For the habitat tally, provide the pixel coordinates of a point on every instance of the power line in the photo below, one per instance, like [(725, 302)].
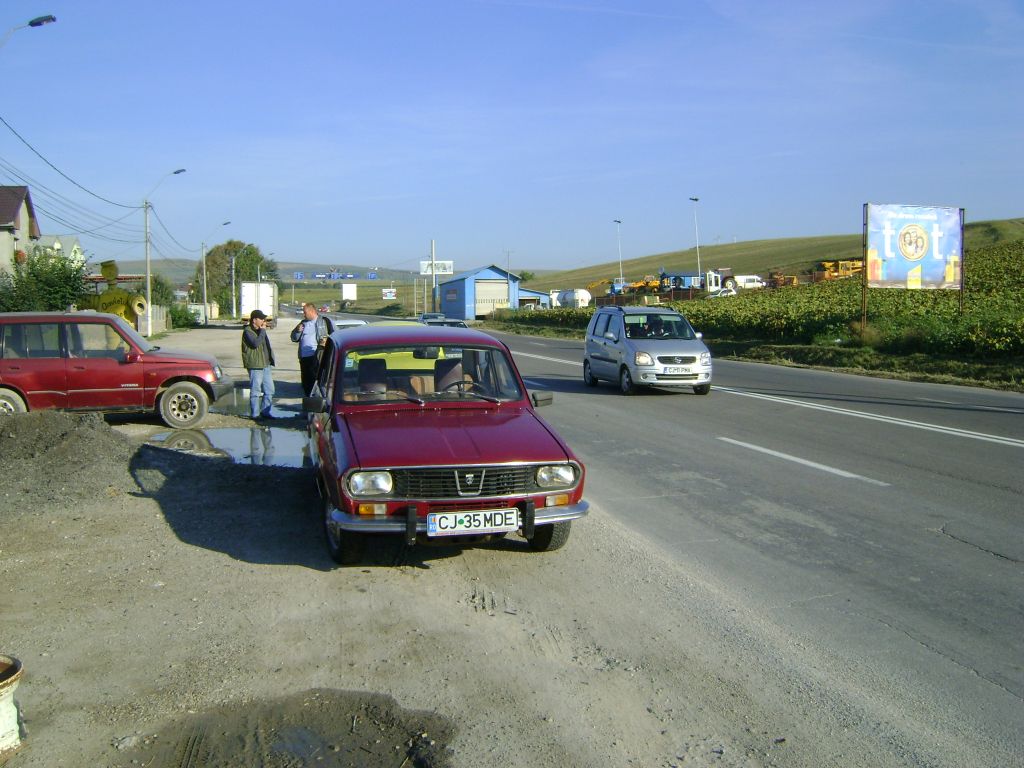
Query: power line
[(58, 170)]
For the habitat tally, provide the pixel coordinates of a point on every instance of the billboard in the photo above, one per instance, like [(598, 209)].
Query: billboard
[(439, 267), (913, 246), (389, 294)]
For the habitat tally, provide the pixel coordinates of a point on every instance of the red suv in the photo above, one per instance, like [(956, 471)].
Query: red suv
[(91, 361), (427, 432)]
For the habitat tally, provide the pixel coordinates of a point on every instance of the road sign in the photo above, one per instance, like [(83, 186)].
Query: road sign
[(439, 267), (298, 275)]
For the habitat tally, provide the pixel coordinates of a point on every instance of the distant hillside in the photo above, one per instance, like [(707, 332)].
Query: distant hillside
[(792, 256), (180, 271)]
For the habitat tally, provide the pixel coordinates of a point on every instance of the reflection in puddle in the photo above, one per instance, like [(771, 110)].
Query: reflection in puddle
[(272, 446)]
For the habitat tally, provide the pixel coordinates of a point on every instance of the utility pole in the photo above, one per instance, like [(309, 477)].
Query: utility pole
[(696, 233), (149, 274), (618, 239), (508, 276), (433, 280), (206, 307)]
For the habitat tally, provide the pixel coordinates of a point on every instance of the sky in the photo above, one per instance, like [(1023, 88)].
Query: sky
[(512, 132)]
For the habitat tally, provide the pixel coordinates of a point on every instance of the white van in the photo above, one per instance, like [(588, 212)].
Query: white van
[(749, 281)]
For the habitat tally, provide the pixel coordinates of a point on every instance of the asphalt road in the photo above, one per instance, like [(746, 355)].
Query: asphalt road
[(863, 535), (873, 525)]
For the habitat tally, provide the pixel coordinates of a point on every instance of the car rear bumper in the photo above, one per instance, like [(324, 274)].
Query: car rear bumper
[(395, 524)]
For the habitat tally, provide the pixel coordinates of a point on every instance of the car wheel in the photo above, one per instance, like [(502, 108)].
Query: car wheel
[(183, 404), (345, 547), (11, 402), (547, 538), (729, 283), (588, 375), (626, 382), (701, 389)]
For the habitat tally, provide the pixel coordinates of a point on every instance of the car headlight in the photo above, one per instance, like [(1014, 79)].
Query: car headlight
[(705, 358), (370, 483), (642, 358), (555, 476), (217, 372)]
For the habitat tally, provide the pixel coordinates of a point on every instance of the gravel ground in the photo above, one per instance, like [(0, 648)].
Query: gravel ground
[(180, 610)]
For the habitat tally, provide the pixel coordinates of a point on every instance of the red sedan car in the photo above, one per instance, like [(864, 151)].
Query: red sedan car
[(428, 433)]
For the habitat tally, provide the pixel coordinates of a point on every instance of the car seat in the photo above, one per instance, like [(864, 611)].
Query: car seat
[(373, 375), (448, 371)]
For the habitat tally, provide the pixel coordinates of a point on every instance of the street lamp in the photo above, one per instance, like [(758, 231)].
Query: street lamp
[(149, 271), (618, 239), (206, 306), (234, 303), (696, 233), (36, 22)]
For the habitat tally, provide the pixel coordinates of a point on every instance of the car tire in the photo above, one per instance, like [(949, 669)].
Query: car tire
[(702, 389), (588, 375), (183, 404), (344, 547), (548, 538), (626, 385), (729, 282), (11, 402)]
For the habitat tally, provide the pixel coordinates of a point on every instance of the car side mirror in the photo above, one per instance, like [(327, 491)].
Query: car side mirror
[(698, 334), (544, 397), (132, 357), (314, 404), (610, 335)]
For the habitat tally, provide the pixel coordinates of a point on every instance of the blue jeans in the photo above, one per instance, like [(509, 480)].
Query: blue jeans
[(261, 387)]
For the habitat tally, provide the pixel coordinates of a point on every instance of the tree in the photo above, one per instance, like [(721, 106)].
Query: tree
[(526, 276), (45, 281), (249, 262)]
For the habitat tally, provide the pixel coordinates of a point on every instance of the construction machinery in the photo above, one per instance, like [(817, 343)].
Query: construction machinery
[(831, 270)]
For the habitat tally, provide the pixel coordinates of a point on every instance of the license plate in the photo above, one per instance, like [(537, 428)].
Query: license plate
[(677, 369), (470, 523)]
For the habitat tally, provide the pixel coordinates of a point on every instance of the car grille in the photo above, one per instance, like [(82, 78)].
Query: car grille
[(461, 482), (677, 360)]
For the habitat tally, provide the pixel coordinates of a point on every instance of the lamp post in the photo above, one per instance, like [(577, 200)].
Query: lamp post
[(149, 270), (618, 239), (206, 306), (696, 233), (36, 22), (234, 303)]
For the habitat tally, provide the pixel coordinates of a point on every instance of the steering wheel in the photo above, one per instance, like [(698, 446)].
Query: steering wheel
[(463, 385)]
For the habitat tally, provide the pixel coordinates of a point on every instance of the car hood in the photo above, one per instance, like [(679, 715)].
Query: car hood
[(157, 356), (451, 436)]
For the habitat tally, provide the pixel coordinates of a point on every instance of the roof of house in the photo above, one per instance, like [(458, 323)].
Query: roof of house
[(11, 199)]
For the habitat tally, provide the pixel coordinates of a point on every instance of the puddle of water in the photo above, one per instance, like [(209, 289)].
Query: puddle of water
[(270, 446), (236, 403)]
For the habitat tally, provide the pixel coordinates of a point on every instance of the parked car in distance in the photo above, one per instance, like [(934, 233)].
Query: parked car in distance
[(451, 322), (425, 316), (92, 361), (428, 433), (721, 293), (645, 347), (347, 322)]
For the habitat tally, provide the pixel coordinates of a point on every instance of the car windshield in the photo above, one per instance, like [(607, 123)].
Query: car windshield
[(422, 373), (660, 326)]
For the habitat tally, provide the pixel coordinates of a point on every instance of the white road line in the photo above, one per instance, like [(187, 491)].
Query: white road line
[(805, 462), (1011, 441), (577, 363)]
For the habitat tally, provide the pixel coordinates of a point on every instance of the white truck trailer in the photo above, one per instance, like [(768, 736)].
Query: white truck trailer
[(262, 296)]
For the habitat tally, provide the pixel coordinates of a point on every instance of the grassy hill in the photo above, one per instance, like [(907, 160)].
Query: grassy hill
[(791, 255)]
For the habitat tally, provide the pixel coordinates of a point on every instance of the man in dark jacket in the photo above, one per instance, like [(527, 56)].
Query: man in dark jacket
[(311, 334), (258, 360)]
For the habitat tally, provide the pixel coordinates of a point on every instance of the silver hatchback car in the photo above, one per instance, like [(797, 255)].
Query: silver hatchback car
[(645, 347)]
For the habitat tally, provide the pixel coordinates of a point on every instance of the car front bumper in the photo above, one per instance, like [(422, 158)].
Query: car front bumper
[(404, 524)]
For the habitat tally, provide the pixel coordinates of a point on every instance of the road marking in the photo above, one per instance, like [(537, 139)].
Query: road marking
[(805, 462), (578, 364), (1011, 441)]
